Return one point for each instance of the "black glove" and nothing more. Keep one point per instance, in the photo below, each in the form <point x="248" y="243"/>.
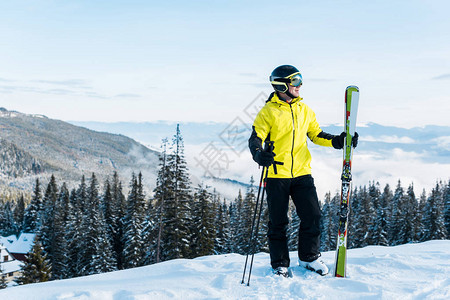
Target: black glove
<point x="338" y="140"/>
<point x="264" y="158"/>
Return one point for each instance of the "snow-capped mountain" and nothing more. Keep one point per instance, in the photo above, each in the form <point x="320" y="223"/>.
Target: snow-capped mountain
<point x="411" y="271"/>
<point x="34" y="146"/>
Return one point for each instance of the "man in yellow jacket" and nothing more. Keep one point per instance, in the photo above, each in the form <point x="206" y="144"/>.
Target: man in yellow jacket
<point x="287" y="121"/>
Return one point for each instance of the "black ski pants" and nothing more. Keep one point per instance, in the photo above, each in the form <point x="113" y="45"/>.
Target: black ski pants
<point x="303" y="193"/>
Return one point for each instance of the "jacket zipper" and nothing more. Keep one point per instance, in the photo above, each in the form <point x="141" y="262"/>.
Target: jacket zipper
<point x="293" y="138"/>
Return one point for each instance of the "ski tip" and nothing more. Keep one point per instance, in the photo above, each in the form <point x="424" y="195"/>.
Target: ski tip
<point x="353" y="87"/>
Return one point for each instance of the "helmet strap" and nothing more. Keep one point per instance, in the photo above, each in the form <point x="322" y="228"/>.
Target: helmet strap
<point x="289" y="94"/>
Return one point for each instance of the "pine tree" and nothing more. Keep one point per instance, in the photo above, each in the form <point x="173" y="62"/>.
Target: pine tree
<point x="46" y="230"/>
<point x="237" y="240"/>
<point x="177" y="204"/>
<point x="246" y="220"/>
<point x="223" y="228"/>
<point x="163" y="190"/>
<point x="356" y="229"/>
<point x="397" y="218"/>
<point x="32" y="211"/>
<point x="37" y="267"/>
<point x="8" y="225"/>
<point x="96" y="253"/>
<point x="381" y="221"/>
<point x="74" y="233"/>
<point x="60" y="257"/>
<point x="117" y="228"/>
<point x="447" y="209"/>
<point x="111" y="217"/>
<point x="421" y="212"/>
<point x="3" y="283"/>
<point x="133" y="222"/>
<point x="19" y="212"/>
<point x="292" y="232"/>
<point x="410" y="217"/>
<point x="433" y="218"/>
<point x="329" y="222"/>
<point x="203" y="231"/>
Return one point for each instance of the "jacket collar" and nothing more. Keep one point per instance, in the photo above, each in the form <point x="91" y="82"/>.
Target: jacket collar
<point x="274" y="98"/>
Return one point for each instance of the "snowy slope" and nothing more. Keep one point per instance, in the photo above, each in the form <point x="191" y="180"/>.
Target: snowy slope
<point x="413" y="271"/>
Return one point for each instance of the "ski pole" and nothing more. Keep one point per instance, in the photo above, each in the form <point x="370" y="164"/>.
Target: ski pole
<point x="253" y="222"/>
<point x="257" y="227"/>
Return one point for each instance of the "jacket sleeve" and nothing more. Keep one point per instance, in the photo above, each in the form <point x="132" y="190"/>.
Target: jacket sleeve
<point x="316" y="134"/>
<point x="260" y="131"/>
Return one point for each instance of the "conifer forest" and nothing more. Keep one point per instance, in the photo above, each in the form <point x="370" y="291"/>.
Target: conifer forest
<point x="96" y="227"/>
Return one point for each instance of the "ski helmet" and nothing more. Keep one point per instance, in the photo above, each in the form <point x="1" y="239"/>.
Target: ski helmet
<point x="284" y="75"/>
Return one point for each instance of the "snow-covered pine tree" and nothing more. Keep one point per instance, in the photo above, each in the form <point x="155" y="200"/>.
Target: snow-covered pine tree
<point x="133" y="222"/>
<point x="236" y="239"/>
<point x="3" y="283"/>
<point x="32" y="211"/>
<point x="150" y="234"/>
<point x="433" y="218"/>
<point x="8" y="225"/>
<point x="292" y="232"/>
<point x="356" y="232"/>
<point x="111" y="210"/>
<point x="370" y="199"/>
<point x="162" y="191"/>
<point x="264" y="227"/>
<point x="90" y="232"/>
<point x="47" y="229"/>
<point x="421" y="212"/>
<point x="246" y="220"/>
<point x="119" y="202"/>
<point x="329" y="222"/>
<point x="37" y="267"/>
<point x="96" y="253"/>
<point x="223" y="228"/>
<point x="73" y="234"/>
<point x="447" y="208"/>
<point x="60" y="257"/>
<point x="397" y="215"/>
<point x="380" y="228"/>
<point x="410" y="217"/>
<point x="177" y="208"/>
<point x="203" y="232"/>
<point x="19" y="211"/>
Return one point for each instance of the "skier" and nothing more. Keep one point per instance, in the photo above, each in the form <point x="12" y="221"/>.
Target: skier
<point x="287" y="122"/>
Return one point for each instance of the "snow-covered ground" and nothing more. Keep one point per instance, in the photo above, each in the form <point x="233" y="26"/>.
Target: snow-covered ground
<point x="413" y="271"/>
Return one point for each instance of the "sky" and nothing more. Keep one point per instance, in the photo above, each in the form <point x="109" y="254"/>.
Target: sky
<point x="203" y="61"/>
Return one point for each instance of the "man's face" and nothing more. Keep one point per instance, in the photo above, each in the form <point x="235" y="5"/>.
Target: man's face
<point x="294" y="90"/>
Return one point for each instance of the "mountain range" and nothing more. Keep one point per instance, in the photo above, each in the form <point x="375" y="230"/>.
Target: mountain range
<point x="419" y="155"/>
<point x="34" y="146"/>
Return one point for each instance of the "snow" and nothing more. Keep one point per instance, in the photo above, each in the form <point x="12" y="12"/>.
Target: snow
<point x="11" y="266"/>
<point x="8" y="240"/>
<point x="412" y="271"/>
<point x="23" y="244"/>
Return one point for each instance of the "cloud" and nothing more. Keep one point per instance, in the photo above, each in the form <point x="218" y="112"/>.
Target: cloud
<point x="442" y="77"/>
<point x="389" y="139"/>
<point x="259" y="85"/>
<point x="80" y="83"/>
<point x="248" y="74"/>
<point x="128" y="95"/>
<point x="321" y="79"/>
<point x="6" y="80"/>
<point x="58" y="92"/>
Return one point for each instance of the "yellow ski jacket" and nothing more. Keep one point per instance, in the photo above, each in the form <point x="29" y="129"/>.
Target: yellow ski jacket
<point x="288" y="125"/>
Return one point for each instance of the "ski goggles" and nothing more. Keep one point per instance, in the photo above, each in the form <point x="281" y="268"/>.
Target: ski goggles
<point x="281" y="83"/>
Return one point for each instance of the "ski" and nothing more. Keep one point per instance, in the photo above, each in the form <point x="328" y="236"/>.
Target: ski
<point x="351" y="109"/>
